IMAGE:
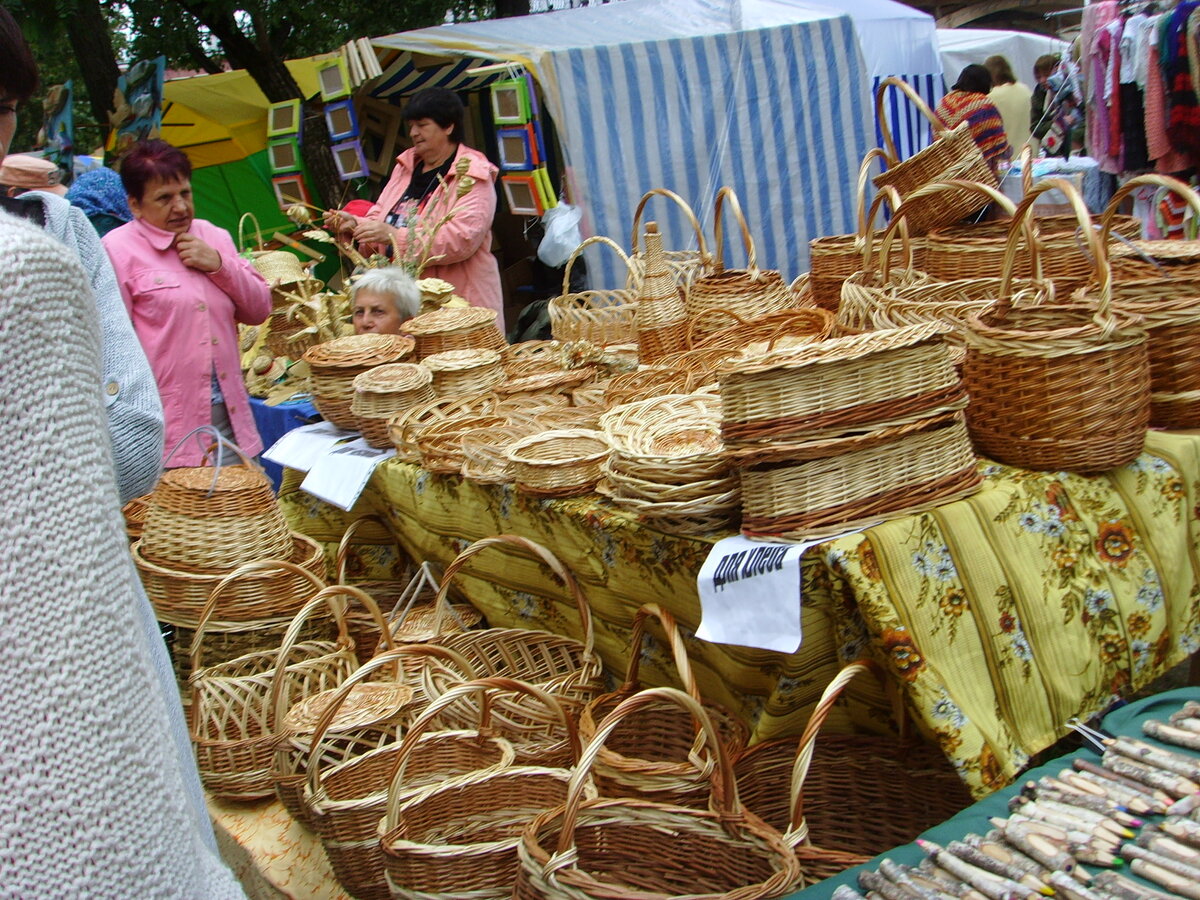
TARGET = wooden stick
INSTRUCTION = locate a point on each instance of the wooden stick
(899, 875)
(1175, 883)
(981, 860)
(1124, 889)
(1132, 851)
(873, 881)
(992, 886)
(1176, 786)
(1067, 887)
(1157, 757)
(1169, 734)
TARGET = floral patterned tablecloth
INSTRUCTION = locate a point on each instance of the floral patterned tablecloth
(1044, 596)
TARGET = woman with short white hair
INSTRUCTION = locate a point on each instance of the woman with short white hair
(384, 299)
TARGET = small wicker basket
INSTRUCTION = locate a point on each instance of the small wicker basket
(382, 392)
(685, 265)
(458, 373)
(454, 328)
(598, 316)
(559, 463)
(335, 364)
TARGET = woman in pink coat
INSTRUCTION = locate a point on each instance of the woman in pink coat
(463, 245)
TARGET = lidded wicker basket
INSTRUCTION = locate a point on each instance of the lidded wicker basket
(335, 364)
(384, 391)
(458, 373)
(454, 328)
(598, 316)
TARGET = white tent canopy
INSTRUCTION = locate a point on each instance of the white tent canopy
(768, 96)
(960, 47)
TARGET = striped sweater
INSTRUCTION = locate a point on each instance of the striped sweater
(982, 117)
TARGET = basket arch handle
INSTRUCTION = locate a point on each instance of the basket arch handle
(728, 193)
(1174, 185)
(684, 207)
(578, 251)
(893, 155)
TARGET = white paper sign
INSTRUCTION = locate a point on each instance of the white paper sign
(303, 446)
(750, 594)
(339, 476)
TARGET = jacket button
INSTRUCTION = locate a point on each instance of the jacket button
(111, 389)
(201, 307)
(214, 340)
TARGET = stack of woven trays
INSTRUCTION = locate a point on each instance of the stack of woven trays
(335, 364)
(454, 328)
(842, 433)
(668, 464)
(382, 392)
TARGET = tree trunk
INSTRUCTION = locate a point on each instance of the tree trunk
(87, 31)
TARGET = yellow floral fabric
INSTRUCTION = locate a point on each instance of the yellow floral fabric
(1044, 596)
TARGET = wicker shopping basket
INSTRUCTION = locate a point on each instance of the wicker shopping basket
(659, 755)
(685, 265)
(953, 155)
(598, 316)
(626, 848)
(1063, 387)
(803, 788)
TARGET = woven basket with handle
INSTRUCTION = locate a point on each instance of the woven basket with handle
(685, 265)
(599, 316)
(627, 848)
(1063, 387)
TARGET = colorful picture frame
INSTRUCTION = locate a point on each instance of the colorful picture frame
(510, 101)
(284, 155)
(521, 191)
(283, 118)
(518, 148)
(290, 189)
(350, 160)
(334, 79)
(341, 120)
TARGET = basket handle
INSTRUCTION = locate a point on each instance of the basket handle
(578, 251)
(488, 688)
(259, 566)
(718, 222)
(537, 551)
(797, 828)
(678, 650)
(866, 241)
(694, 321)
(1026, 163)
(1162, 181)
(390, 657)
(864, 178)
(242, 233)
(218, 441)
(938, 128)
(723, 789)
(1022, 218)
(280, 703)
(688, 213)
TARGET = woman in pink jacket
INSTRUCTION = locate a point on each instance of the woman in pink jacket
(186, 289)
(463, 245)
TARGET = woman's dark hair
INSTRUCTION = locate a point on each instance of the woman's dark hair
(152, 159)
(440, 105)
(974, 79)
(20, 75)
(1000, 70)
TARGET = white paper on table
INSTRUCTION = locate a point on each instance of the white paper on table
(303, 446)
(750, 594)
(339, 476)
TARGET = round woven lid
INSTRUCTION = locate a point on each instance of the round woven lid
(446, 319)
(278, 267)
(360, 350)
(367, 703)
(393, 378)
(227, 479)
(458, 360)
(834, 350)
(546, 381)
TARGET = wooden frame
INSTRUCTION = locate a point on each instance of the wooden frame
(341, 119)
(290, 189)
(517, 148)
(510, 101)
(283, 118)
(350, 161)
(284, 155)
(379, 131)
(334, 79)
(522, 194)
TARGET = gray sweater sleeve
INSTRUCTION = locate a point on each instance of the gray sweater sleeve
(135, 414)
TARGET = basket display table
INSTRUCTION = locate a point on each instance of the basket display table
(1042, 597)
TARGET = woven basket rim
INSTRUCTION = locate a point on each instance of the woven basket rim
(359, 350)
(460, 360)
(835, 350)
(449, 319)
(562, 434)
(391, 378)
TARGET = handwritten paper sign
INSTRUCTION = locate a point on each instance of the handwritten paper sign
(303, 446)
(750, 594)
(339, 476)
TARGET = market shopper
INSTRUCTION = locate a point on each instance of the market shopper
(968, 102)
(186, 288)
(101, 196)
(427, 177)
(383, 299)
(1011, 98)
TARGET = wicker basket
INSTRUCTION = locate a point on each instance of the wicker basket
(804, 788)
(625, 848)
(560, 463)
(646, 382)
(543, 383)
(455, 328)
(673, 439)
(235, 704)
(532, 357)
(952, 155)
(211, 519)
(382, 392)
(458, 836)
(685, 265)
(567, 668)
(658, 757)
(134, 513)
(662, 313)
(441, 442)
(1058, 387)
(335, 364)
(405, 428)
(786, 328)
(598, 316)
(485, 452)
(458, 373)
(749, 292)
(289, 335)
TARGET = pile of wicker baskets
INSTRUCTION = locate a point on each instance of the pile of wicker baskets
(383, 392)
(335, 364)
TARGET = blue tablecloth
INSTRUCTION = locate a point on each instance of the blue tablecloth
(273, 422)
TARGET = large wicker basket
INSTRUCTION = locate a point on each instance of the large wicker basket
(454, 328)
(1063, 387)
(335, 364)
(599, 316)
(382, 392)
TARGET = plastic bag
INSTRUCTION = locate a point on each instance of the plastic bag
(562, 235)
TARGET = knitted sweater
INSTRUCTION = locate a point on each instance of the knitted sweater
(135, 413)
(982, 117)
(94, 802)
